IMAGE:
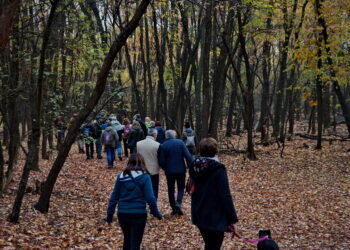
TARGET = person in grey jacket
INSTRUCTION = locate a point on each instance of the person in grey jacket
(109, 139)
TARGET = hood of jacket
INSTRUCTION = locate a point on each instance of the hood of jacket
(137, 128)
(202, 168)
(189, 130)
(109, 128)
(128, 183)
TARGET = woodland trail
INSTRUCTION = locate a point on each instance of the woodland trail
(302, 198)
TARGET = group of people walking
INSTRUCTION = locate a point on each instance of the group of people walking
(212, 207)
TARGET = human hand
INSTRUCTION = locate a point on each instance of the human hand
(233, 228)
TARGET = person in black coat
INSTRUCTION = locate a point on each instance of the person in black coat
(211, 206)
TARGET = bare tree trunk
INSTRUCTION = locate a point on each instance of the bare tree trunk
(205, 57)
(8, 11)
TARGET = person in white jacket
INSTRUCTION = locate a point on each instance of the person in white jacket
(148, 148)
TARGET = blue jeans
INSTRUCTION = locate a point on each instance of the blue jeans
(98, 147)
(133, 227)
(155, 184)
(119, 148)
(110, 156)
(180, 181)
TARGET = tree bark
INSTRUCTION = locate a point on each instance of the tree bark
(205, 58)
(8, 11)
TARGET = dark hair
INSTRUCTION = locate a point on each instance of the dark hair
(126, 121)
(187, 125)
(135, 160)
(158, 123)
(208, 147)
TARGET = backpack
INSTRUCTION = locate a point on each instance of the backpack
(108, 138)
(86, 131)
(190, 141)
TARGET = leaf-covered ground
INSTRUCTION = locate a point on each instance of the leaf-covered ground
(302, 198)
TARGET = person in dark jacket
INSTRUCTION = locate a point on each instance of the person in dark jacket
(161, 132)
(172, 156)
(97, 136)
(88, 132)
(143, 126)
(135, 135)
(212, 207)
(132, 190)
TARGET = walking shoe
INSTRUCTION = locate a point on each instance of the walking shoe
(178, 210)
(99, 157)
(120, 158)
(174, 212)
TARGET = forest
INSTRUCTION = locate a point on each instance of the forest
(268, 79)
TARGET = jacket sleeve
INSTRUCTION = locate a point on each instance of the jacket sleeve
(187, 155)
(161, 156)
(225, 197)
(151, 200)
(113, 201)
(102, 138)
(116, 137)
(184, 136)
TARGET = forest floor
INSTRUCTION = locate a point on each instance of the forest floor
(303, 198)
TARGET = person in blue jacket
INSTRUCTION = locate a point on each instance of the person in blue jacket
(212, 207)
(172, 155)
(132, 190)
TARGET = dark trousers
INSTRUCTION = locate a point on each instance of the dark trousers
(126, 150)
(133, 227)
(180, 181)
(133, 150)
(110, 151)
(89, 149)
(155, 184)
(212, 239)
(98, 144)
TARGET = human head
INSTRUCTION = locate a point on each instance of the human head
(147, 119)
(152, 132)
(187, 125)
(135, 160)
(136, 123)
(99, 118)
(112, 117)
(158, 124)
(153, 124)
(137, 116)
(170, 134)
(126, 121)
(208, 147)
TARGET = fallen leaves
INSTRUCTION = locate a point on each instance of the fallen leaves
(302, 198)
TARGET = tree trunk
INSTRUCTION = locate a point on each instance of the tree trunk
(288, 27)
(149, 73)
(219, 78)
(205, 57)
(8, 11)
(44, 200)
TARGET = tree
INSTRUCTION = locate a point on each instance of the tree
(44, 200)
